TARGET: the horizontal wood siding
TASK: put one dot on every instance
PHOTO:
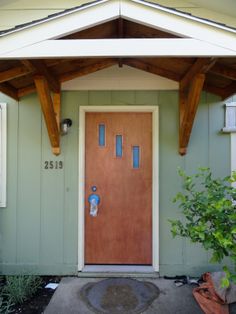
(39, 230)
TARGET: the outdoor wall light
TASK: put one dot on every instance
(65, 125)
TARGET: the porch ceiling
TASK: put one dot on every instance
(215, 75)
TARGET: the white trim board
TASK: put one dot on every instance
(182, 25)
(69, 23)
(233, 153)
(155, 181)
(3, 153)
(140, 12)
(128, 47)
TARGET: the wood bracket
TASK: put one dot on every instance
(39, 67)
(51, 110)
(201, 65)
(188, 103)
(190, 89)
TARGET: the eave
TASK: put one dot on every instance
(99, 36)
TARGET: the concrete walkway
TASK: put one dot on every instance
(172, 299)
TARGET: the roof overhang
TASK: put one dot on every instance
(207, 46)
(92, 48)
(134, 10)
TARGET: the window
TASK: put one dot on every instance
(102, 134)
(136, 157)
(230, 127)
(119, 141)
(3, 153)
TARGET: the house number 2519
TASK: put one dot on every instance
(53, 164)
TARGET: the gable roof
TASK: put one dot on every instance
(89, 4)
(196, 53)
(153, 31)
(222, 38)
(49, 17)
(16, 12)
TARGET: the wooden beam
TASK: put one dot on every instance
(28, 65)
(201, 65)
(223, 93)
(13, 73)
(120, 28)
(182, 105)
(229, 90)
(57, 108)
(48, 112)
(8, 90)
(41, 69)
(141, 65)
(120, 35)
(26, 90)
(188, 108)
(224, 71)
(73, 74)
(81, 71)
(214, 90)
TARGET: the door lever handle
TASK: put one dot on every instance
(94, 200)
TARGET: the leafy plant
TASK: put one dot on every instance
(20, 288)
(5, 305)
(209, 207)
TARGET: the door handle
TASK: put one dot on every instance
(94, 200)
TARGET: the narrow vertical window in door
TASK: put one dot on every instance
(119, 150)
(136, 157)
(101, 136)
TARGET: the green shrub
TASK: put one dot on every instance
(20, 288)
(209, 208)
(5, 305)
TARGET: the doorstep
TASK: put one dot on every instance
(104, 271)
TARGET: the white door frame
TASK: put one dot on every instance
(155, 180)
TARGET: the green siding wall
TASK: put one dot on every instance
(39, 230)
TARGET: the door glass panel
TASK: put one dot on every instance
(101, 137)
(136, 157)
(119, 151)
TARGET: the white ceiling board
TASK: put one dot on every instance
(125, 78)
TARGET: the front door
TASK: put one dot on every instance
(118, 168)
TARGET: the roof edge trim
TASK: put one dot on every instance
(55, 16)
(186, 15)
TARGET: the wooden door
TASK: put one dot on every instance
(119, 164)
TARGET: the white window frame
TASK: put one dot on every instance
(3, 153)
(233, 153)
(230, 127)
(230, 117)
